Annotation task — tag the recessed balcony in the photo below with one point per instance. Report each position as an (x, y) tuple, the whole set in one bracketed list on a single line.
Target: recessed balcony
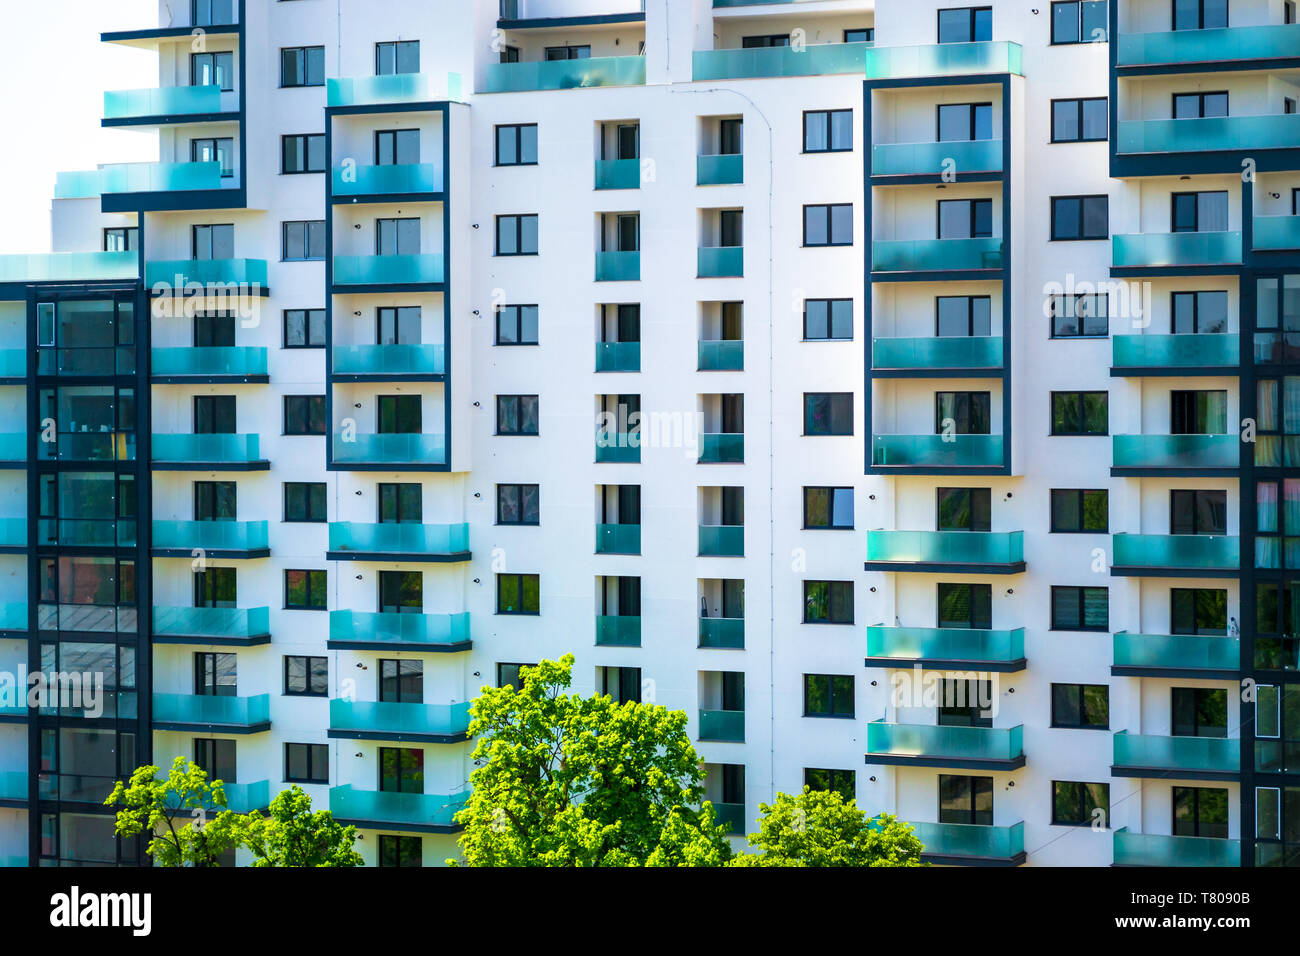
[(618, 539), (731, 816), (722, 541), (1176, 655), (390, 631), (821, 59), (946, 648), (565, 74), (1202, 134), (362, 363), (934, 159), (722, 633), (618, 356), (1180, 758), (618, 266), (722, 448), (618, 447), (1191, 455), (618, 630), (1264, 42), (618, 174), (358, 541), (937, 255), (1183, 354), (1175, 555), (175, 452), (210, 714), (961, 844), (720, 170), (721, 355), (943, 59), (942, 356), (217, 626), (218, 539), (952, 552), (375, 452), (924, 745), (168, 105), (396, 182), (722, 725), (208, 363), (389, 720), (1276, 233), (1171, 250), (402, 812), (720, 262), (936, 451), (415, 272), (1156, 849)]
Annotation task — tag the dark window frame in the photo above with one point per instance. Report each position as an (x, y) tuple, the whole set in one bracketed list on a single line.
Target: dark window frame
[(828, 209), (304, 52), (519, 578), (311, 576), (518, 322), (308, 673), (1084, 818), (518, 218), (496, 143), (830, 508), (1079, 493), (311, 750), (518, 401), (306, 317), (833, 713), (1083, 235), (1081, 623), (1080, 692), (305, 151), (1081, 399), (830, 125), (519, 490), (1079, 101)]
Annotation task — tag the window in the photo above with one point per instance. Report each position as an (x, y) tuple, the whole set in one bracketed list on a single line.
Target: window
[(519, 594), (401, 503), (305, 591), (1200, 14), (516, 145), (206, 13), (518, 504), (843, 782), (302, 153), (214, 329), (1199, 212), (302, 66), (962, 315), (765, 40), (509, 675), (962, 413), (731, 136), (1198, 512), (1080, 609), (397, 237), (400, 415), (402, 56), (1194, 312), (1199, 712), (964, 509), (571, 52), (401, 681), (307, 763), (827, 131), (517, 235), (400, 851), (1080, 804), (1081, 706), (304, 328), (1200, 812), (1198, 413), (966, 25), (1080, 217), (214, 500), (828, 695), (621, 683), (828, 508), (306, 676), (217, 757), (964, 122), (1080, 121), (401, 592), (1200, 105), (1076, 22), (828, 413), (304, 501), (860, 35), (517, 415), (1080, 413), (827, 319), (121, 239), (966, 606), (829, 225), (1198, 610), (215, 149), (1081, 315), (397, 147), (509, 54), (965, 800), (213, 69), (304, 415), (1075, 510), (517, 325), (965, 218), (828, 602), (215, 587), (214, 414), (302, 241), (212, 241), (215, 675)]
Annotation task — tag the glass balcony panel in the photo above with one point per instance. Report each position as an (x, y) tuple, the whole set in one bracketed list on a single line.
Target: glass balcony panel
[(1181, 651), (1182, 551), (618, 356), (618, 539), (394, 628), (204, 709), (730, 815), (983, 842), (394, 179), (722, 448), (722, 632), (618, 174), (946, 547), (821, 59), (440, 539), (1154, 849), (728, 725), (69, 266), (618, 266), (1175, 351), (725, 541), (1221, 754), (415, 448), (177, 273), (13, 447), (1175, 451), (162, 101), (618, 447), (1273, 131), (965, 743), (721, 355), (719, 170), (975, 352), (210, 535), (935, 255), (1150, 250), (565, 74), (918, 159), (714, 262), (392, 811), (945, 643), (423, 268), (943, 59), (1209, 46), (236, 361), (141, 178), (228, 623), (1277, 232), (230, 449), (389, 359), (968, 451), (389, 717), (390, 88), (618, 630)]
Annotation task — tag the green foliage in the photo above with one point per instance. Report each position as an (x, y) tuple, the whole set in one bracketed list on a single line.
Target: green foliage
[(567, 781), (292, 835), (176, 812), (818, 828)]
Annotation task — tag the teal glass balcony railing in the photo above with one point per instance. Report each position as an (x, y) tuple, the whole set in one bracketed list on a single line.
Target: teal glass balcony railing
[(1276, 131), (1183, 351), (722, 448), (726, 633), (13, 532), (1183, 552), (415, 631), (405, 448), (390, 88), (720, 262), (222, 624), (820, 59), (418, 269), (935, 742), (722, 541), (13, 785), (616, 630), (13, 363), (920, 159), (398, 179), (1160, 753), (565, 74), (919, 451), (1208, 46), (955, 352), (1155, 849), (203, 710), (394, 811), (1191, 452), (178, 273), (162, 101), (946, 547), (140, 178), (921, 644), (721, 355), (13, 447), (69, 266), (195, 449), (943, 59), (730, 815), (1193, 652), (618, 356), (618, 174), (247, 797), (618, 266), (618, 539), (13, 616), (432, 540), (376, 360), (726, 725), (720, 170), (935, 255), (1276, 232), (402, 721), (210, 535), (87, 532), (1157, 249), (241, 361), (618, 447), (973, 841)]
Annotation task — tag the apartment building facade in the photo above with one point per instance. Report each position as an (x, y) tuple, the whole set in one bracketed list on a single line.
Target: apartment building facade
[(730, 346)]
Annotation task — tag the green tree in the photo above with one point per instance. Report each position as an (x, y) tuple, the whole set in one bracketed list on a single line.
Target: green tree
[(568, 781), (292, 835), (176, 812), (819, 828)]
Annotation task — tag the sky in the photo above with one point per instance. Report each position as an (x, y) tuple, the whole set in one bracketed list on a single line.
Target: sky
[(53, 73)]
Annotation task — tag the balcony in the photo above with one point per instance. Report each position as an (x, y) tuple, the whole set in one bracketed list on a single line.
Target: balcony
[(618, 266), (173, 452), (207, 714), (132, 178), (1175, 555), (618, 630), (618, 356), (722, 725), (565, 74), (1176, 655), (388, 631), (69, 267), (953, 552), (410, 182), (175, 275), (720, 170), (247, 797), (618, 539), (218, 539), (378, 452), (386, 720), (403, 812), (234, 364), (936, 255), (945, 356), (360, 363), (943, 59), (921, 452), (1175, 454), (720, 262), (217, 626), (730, 815), (1202, 134), (924, 745), (618, 174), (1175, 250), (722, 541), (934, 159), (356, 541), (958, 844), (165, 105), (1276, 233), (354, 91), (721, 355), (69, 532), (946, 648), (1180, 758), (722, 633), (722, 448), (1155, 849), (1183, 354), (1272, 41), (420, 271), (618, 447), (13, 450), (821, 59)]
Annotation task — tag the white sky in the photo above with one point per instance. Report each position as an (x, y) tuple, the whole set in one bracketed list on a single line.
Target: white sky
[(53, 73)]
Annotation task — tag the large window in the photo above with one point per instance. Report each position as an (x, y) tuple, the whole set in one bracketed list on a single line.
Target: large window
[(827, 319), (1198, 412), (966, 25), (962, 315), (518, 594), (1200, 14), (517, 415), (1080, 609), (215, 149), (302, 241), (212, 241), (213, 69), (828, 508), (1080, 804), (828, 413), (302, 66), (307, 763), (828, 225), (1200, 812), (518, 504), (964, 122), (962, 413), (397, 147), (966, 605), (1079, 22), (1199, 711), (1199, 312), (965, 218), (1198, 610), (305, 590), (1200, 105), (1081, 706), (517, 235), (1078, 511), (1199, 211), (401, 681), (397, 237), (401, 502), (965, 800), (828, 602), (302, 153), (1198, 512), (964, 509), (304, 415), (516, 145), (304, 501), (1080, 217), (304, 328), (517, 325), (306, 676), (827, 131), (1080, 120), (828, 695), (1080, 413), (400, 56)]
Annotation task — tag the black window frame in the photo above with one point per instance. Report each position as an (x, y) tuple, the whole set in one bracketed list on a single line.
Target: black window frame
[(830, 508), (1081, 623), (315, 413), (518, 489), (1081, 399), (517, 314), (1078, 20), (1083, 235), (830, 694), (518, 218), (845, 601), (973, 31), (1079, 119), (306, 316), (313, 490), (304, 140), (1098, 311), (830, 305), (1080, 797), (305, 66), (1080, 495), (1080, 702), (312, 755), (829, 119), (317, 579), (307, 230), (310, 674), (832, 398), (519, 578), (828, 210), (518, 401), (496, 143)]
